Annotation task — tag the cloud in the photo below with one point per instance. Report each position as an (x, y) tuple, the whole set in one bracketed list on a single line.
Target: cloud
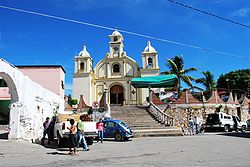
[(244, 12), (87, 5)]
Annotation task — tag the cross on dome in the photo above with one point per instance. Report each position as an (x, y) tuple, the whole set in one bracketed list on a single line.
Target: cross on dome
[(84, 52), (149, 48)]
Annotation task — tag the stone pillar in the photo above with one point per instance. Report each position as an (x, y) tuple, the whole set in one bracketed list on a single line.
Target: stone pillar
[(150, 94)]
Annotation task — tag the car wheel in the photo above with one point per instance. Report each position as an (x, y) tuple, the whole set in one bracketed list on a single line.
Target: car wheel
[(125, 138), (89, 141), (243, 128), (118, 136), (226, 128)]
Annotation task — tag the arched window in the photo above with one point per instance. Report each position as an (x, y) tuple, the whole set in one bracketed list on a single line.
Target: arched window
[(82, 66), (115, 38), (150, 62), (116, 68)]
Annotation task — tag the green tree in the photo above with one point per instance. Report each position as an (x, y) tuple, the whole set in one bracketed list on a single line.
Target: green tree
[(72, 101), (236, 81), (176, 65), (207, 81)]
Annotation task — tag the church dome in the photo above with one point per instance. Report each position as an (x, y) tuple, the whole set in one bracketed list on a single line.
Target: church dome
[(149, 48), (116, 33), (84, 52)]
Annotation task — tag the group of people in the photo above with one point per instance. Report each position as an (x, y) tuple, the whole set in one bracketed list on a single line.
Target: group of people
[(76, 137), (196, 124)]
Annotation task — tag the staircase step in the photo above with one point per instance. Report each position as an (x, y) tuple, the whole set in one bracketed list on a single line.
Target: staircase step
[(157, 132)]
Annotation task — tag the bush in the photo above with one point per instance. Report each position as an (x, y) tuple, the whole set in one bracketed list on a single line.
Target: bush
[(73, 101)]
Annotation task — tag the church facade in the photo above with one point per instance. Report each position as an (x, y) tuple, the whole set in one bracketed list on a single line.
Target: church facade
[(113, 74)]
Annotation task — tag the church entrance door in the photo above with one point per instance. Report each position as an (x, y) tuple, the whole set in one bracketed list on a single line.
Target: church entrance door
[(116, 94)]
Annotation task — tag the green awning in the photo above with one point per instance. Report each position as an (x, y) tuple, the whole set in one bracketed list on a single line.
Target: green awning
[(161, 81)]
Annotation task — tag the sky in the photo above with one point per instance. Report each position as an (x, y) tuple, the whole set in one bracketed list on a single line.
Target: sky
[(27, 39)]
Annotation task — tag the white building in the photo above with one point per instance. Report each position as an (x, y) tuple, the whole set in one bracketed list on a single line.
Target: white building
[(113, 74)]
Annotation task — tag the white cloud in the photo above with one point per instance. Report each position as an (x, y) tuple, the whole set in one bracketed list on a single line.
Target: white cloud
[(244, 12)]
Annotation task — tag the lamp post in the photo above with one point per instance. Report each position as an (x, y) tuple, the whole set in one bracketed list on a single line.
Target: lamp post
[(227, 80)]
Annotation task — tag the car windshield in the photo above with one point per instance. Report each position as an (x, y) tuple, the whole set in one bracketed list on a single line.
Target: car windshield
[(123, 124), (212, 118)]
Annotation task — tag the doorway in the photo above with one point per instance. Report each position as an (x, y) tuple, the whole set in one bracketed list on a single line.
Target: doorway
[(116, 94)]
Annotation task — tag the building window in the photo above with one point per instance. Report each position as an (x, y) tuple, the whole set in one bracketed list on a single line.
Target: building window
[(82, 66), (115, 39), (62, 84), (116, 68), (150, 62)]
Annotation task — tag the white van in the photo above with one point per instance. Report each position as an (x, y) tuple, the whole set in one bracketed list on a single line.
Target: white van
[(223, 121), (61, 132)]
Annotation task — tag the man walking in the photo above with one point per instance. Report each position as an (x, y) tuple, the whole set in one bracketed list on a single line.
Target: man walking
[(46, 125), (197, 122), (80, 134), (191, 126)]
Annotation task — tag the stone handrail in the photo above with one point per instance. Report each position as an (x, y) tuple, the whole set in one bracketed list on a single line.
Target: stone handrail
[(160, 116)]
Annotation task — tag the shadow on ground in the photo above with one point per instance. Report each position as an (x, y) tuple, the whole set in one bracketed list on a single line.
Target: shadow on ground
[(4, 136), (235, 134), (57, 153)]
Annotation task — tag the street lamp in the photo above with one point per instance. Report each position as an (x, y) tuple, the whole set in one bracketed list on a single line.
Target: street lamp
[(227, 80)]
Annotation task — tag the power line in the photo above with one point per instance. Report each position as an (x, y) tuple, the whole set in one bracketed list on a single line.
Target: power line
[(210, 14), (124, 31)]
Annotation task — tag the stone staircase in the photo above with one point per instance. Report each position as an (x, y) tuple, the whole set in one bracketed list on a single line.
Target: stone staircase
[(141, 122)]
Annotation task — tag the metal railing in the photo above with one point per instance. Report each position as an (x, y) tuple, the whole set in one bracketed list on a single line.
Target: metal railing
[(160, 116)]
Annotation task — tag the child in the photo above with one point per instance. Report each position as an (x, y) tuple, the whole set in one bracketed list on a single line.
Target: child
[(100, 130), (185, 129), (72, 137)]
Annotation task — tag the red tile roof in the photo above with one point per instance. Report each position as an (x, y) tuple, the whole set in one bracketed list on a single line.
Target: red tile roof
[(156, 100), (82, 104), (215, 98)]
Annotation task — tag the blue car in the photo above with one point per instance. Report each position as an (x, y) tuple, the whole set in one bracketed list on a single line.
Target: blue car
[(116, 129)]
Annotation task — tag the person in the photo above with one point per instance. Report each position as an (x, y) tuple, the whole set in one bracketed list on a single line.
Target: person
[(80, 134), (185, 129), (191, 126), (197, 122), (46, 129), (202, 125), (100, 130), (72, 137)]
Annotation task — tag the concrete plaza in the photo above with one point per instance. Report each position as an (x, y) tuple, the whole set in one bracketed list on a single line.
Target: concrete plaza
[(213, 149)]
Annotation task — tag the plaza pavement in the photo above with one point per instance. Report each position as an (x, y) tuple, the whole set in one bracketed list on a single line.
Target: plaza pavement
[(213, 149)]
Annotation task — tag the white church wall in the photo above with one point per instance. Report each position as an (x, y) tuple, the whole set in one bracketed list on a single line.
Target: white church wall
[(130, 70), (82, 86), (101, 71)]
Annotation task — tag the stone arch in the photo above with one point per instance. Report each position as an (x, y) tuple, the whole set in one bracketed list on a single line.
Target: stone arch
[(11, 85), (10, 74)]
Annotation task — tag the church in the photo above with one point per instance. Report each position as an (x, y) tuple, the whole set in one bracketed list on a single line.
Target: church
[(113, 74)]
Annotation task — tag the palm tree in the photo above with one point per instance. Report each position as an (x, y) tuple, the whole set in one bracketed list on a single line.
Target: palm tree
[(207, 81), (176, 65)]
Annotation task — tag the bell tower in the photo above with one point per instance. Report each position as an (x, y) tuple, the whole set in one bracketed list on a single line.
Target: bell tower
[(116, 44), (150, 65), (82, 76)]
